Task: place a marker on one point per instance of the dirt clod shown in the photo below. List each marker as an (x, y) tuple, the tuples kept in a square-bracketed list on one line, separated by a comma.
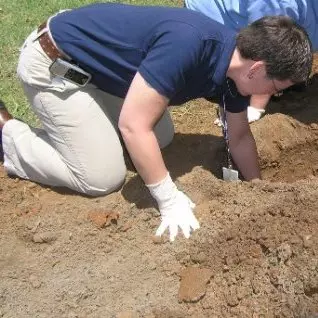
[(193, 283), (103, 218)]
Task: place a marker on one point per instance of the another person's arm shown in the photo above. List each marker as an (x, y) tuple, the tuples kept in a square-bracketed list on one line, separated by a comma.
[(257, 107), (242, 145)]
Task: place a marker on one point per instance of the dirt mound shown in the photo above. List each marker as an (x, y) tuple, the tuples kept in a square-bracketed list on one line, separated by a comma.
[(287, 148), (256, 254)]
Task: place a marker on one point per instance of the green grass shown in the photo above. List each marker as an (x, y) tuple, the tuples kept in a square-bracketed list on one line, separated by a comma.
[(17, 19)]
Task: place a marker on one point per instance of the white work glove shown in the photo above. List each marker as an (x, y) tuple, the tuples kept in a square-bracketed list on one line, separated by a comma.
[(254, 114), (218, 122), (175, 209)]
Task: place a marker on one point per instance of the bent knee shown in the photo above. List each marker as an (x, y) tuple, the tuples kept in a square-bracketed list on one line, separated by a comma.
[(164, 130), (165, 140), (165, 137), (102, 184)]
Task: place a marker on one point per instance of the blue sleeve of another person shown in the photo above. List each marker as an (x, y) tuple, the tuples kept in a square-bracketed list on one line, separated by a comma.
[(239, 13), (303, 12), (260, 8), (232, 14)]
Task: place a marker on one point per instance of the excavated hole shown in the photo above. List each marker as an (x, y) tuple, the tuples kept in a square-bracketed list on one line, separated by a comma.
[(300, 162)]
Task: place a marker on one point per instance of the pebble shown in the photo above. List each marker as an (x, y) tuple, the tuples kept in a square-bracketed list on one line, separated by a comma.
[(231, 298), (307, 242), (44, 237), (314, 126), (158, 239), (145, 216), (35, 282), (284, 252)]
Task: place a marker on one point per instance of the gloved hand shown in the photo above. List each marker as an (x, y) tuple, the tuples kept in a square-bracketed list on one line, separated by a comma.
[(175, 207), (254, 114), (218, 122)]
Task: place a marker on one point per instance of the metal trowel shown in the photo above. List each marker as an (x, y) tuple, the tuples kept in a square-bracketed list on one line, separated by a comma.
[(230, 174)]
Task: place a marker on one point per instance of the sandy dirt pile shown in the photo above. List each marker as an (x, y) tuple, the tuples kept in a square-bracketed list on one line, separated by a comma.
[(256, 254)]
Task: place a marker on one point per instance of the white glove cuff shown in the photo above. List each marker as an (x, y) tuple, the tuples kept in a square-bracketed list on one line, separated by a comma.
[(259, 110), (164, 191)]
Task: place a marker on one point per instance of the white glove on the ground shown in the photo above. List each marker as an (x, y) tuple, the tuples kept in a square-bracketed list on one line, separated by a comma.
[(175, 207), (254, 114)]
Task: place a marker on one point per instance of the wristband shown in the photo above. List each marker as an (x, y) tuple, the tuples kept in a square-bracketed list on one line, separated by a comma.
[(164, 191)]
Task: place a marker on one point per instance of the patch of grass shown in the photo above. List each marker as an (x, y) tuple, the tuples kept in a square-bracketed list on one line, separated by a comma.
[(17, 19)]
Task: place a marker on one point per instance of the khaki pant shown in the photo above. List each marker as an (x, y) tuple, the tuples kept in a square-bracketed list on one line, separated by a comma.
[(79, 144)]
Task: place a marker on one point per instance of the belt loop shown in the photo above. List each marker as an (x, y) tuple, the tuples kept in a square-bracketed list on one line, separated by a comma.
[(47, 44), (41, 31)]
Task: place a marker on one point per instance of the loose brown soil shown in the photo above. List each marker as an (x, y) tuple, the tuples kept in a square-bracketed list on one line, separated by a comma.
[(256, 254)]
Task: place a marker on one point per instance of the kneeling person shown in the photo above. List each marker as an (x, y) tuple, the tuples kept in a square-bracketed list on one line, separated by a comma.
[(141, 60)]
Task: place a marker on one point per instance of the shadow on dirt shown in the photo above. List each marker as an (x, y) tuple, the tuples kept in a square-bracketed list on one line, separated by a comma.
[(299, 102), (181, 156), (184, 153)]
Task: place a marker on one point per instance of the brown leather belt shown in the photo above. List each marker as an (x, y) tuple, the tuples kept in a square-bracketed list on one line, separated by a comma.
[(48, 46)]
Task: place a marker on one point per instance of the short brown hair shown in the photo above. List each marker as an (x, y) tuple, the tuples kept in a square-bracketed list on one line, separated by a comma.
[(282, 44)]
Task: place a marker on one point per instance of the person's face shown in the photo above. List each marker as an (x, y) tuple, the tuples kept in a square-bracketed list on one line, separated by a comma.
[(256, 82)]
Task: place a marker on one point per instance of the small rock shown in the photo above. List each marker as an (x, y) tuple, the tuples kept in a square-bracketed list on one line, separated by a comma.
[(158, 239), (128, 225), (108, 249), (307, 242), (299, 287), (231, 297), (274, 277), (198, 257), (314, 126), (35, 282), (31, 185), (152, 266), (44, 237), (256, 284), (284, 252), (193, 284), (145, 216), (256, 181), (242, 292)]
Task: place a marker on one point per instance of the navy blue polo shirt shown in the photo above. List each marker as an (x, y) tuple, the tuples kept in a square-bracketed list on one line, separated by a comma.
[(182, 54)]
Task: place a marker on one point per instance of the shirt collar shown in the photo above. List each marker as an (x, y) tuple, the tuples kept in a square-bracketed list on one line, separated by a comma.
[(229, 45)]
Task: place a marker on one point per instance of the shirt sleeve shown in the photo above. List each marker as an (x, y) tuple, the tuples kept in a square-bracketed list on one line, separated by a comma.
[(172, 59), (257, 9)]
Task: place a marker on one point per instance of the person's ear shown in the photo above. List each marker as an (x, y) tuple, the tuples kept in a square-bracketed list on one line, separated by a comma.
[(256, 68)]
